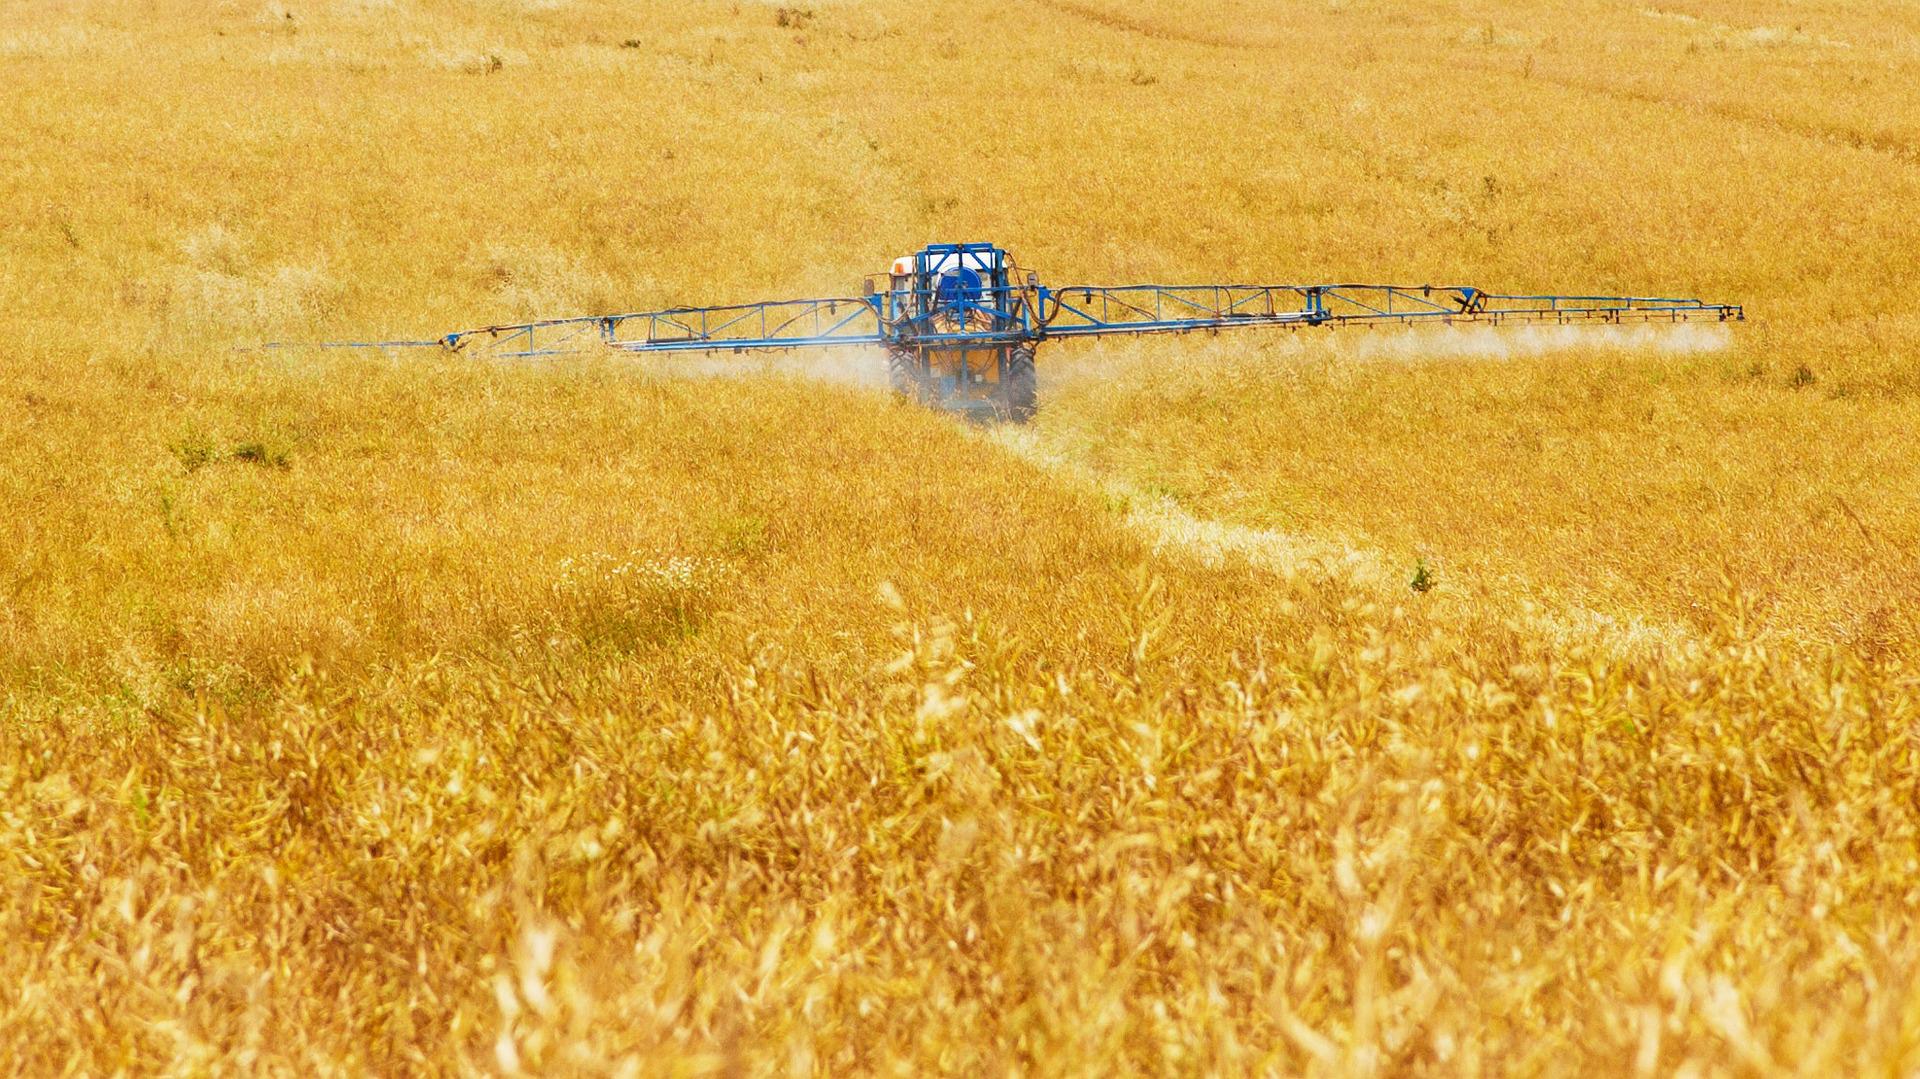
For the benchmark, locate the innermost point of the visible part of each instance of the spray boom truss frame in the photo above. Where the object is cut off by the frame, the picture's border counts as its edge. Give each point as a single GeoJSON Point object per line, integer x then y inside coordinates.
{"type": "Point", "coordinates": [922, 310]}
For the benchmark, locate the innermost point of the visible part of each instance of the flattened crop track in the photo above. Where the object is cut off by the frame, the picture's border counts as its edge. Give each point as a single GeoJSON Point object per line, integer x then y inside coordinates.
{"type": "Point", "coordinates": [1170, 527]}
{"type": "Point", "coordinates": [1115, 21]}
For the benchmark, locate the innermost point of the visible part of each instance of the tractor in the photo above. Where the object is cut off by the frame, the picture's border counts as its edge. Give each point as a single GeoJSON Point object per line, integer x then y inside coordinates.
{"type": "Point", "coordinates": [960, 323]}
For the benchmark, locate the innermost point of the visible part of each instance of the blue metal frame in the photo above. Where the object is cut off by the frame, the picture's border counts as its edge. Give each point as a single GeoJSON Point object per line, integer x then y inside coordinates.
{"type": "Point", "coordinates": [1091, 310]}
{"type": "Point", "coordinates": [969, 296]}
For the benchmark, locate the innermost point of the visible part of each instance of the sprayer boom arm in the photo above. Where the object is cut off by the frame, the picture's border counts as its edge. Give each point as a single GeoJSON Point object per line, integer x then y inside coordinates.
{"type": "Point", "coordinates": [970, 296]}
{"type": "Point", "coordinates": [1091, 310]}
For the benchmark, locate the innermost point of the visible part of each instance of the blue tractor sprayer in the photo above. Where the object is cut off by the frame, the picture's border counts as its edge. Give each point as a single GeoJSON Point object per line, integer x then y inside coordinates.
{"type": "Point", "coordinates": [960, 323]}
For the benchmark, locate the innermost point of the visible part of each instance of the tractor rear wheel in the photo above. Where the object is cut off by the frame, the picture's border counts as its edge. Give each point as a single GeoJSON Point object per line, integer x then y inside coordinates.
{"type": "Point", "coordinates": [903, 373]}
{"type": "Point", "coordinates": [1022, 387]}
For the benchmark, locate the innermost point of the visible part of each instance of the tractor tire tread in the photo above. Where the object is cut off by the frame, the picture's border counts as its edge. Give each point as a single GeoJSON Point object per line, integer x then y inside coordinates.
{"type": "Point", "coordinates": [1022, 389]}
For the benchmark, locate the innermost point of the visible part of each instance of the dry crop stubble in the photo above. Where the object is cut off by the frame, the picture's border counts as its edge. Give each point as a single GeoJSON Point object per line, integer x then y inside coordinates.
{"type": "Point", "coordinates": [414, 714]}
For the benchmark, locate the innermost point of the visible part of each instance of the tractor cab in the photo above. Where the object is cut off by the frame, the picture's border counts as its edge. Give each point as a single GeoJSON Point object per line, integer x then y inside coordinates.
{"type": "Point", "coordinates": [954, 288]}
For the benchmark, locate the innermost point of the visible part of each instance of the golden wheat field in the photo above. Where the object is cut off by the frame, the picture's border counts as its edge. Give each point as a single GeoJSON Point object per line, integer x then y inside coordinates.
{"type": "Point", "coordinates": [368, 713]}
